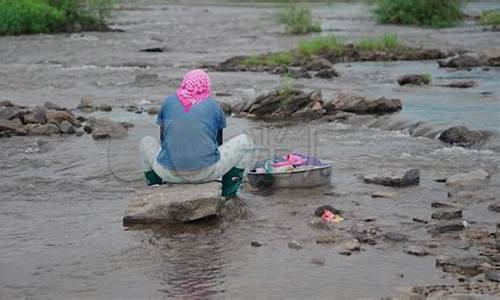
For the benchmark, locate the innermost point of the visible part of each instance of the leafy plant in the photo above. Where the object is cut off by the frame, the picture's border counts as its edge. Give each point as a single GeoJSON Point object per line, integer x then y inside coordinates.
{"type": "Point", "coordinates": [298, 20]}
{"type": "Point", "coordinates": [28, 16]}
{"type": "Point", "coordinates": [385, 42]}
{"type": "Point", "coordinates": [490, 18]}
{"type": "Point", "coordinates": [435, 13]}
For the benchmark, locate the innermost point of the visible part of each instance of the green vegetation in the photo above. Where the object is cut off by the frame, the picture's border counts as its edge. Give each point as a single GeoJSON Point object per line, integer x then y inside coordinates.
{"type": "Point", "coordinates": [434, 13]}
{"type": "Point", "coordinates": [427, 78]}
{"type": "Point", "coordinates": [490, 18]}
{"type": "Point", "coordinates": [320, 45]}
{"type": "Point", "coordinates": [385, 42]}
{"type": "Point", "coordinates": [272, 59]}
{"type": "Point", "coordinates": [40, 16]}
{"type": "Point", "coordinates": [298, 20]}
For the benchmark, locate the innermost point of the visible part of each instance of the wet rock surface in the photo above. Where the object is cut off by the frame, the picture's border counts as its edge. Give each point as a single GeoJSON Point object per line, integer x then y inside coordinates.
{"type": "Point", "coordinates": [397, 178]}
{"type": "Point", "coordinates": [462, 136]}
{"type": "Point", "coordinates": [466, 265]}
{"type": "Point", "coordinates": [361, 105]}
{"type": "Point", "coordinates": [468, 178]}
{"type": "Point", "coordinates": [414, 79]}
{"type": "Point", "coordinates": [395, 237]}
{"type": "Point", "coordinates": [173, 203]}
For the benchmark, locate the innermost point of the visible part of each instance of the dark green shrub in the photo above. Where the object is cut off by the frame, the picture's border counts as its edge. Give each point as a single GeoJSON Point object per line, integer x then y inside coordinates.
{"type": "Point", "coordinates": [298, 20]}
{"type": "Point", "coordinates": [435, 13]}
{"type": "Point", "coordinates": [28, 16]}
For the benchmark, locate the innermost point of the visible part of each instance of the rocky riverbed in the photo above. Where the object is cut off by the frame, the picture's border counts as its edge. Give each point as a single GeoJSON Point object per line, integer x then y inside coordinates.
{"type": "Point", "coordinates": [62, 196]}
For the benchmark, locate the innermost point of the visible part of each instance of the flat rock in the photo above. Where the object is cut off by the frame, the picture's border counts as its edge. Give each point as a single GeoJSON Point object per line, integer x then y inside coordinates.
{"type": "Point", "coordinates": [494, 207]}
{"type": "Point", "coordinates": [105, 129]}
{"type": "Point", "coordinates": [361, 105]}
{"type": "Point", "coordinates": [45, 129]}
{"type": "Point", "coordinates": [173, 203]}
{"type": "Point", "coordinates": [492, 275]}
{"type": "Point", "coordinates": [461, 136]}
{"type": "Point", "coordinates": [36, 116]}
{"type": "Point", "coordinates": [466, 265]}
{"type": "Point", "coordinates": [447, 227]}
{"type": "Point", "coordinates": [416, 250]}
{"type": "Point", "coordinates": [53, 106]}
{"type": "Point", "coordinates": [395, 237]}
{"type": "Point", "coordinates": [349, 246]}
{"type": "Point", "coordinates": [8, 113]}
{"type": "Point", "coordinates": [10, 125]}
{"type": "Point", "coordinates": [395, 178]}
{"type": "Point", "coordinates": [467, 178]}
{"type": "Point", "coordinates": [462, 84]}
{"type": "Point", "coordinates": [414, 79]}
{"type": "Point", "coordinates": [447, 215]}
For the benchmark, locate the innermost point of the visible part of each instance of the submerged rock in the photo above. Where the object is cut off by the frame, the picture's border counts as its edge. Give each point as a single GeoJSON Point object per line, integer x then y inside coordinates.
{"type": "Point", "coordinates": [447, 227]}
{"type": "Point", "coordinates": [349, 246]}
{"type": "Point", "coordinates": [466, 265]}
{"type": "Point", "coordinates": [105, 128]}
{"type": "Point", "coordinates": [395, 178]}
{"type": "Point", "coordinates": [255, 244]}
{"type": "Point", "coordinates": [460, 61]}
{"type": "Point", "coordinates": [461, 84]}
{"type": "Point", "coordinates": [416, 250]}
{"type": "Point", "coordinates": [492, 275]}
{"type": "Point", "coordinates": [295, 245]}
{"type": "Point", "coordinates": [467, 178]}
{"type": "Point", "coordinates": [173, 203]}
{"type": "Point", "coordinates": [415, 79]}
{"type": "Point", "coordinates": [361, 105]}
{"type": "Point", "coordinates": [45, 129]}
{"type": "Point", "coordinates": [494, 207]}
{"type": "Point", "coordinates": [461, 136]}
{"type": "Point", "coordinates": [395, 237]}
{"type": "Point", "coordinates": [447, 215]}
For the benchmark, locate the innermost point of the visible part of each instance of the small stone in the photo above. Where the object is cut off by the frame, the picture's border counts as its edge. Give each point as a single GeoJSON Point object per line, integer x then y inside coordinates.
{"type": "Point", "coordinates": [66, 128]}
{"type": "Point", "coordinates": [495, 207]}
{"type": "Point", "coordinates": [295, 245]}
{"type": "Point", "coordinates": [384, 195]}
{"type": "Point", "coordinates": [154, 50]}
{"type": "Point", "coordinates": [447, 215]}
{"type": "Point", "coordinates": [57, 117]}
{"type": "Point", "coordinates": [462, 84]}
{"type": "Point", "coordinates": [105, 107]}
{"type": "Point", "coordinates": [493, 276]}
{"type": "Point", "coordinates": [395, 237]}
{"type": "Point", "coordinates": [466, 265]}
{"type": "Point", "coordinates": [10, 126]}
{"type": "Point", "coordinates": [153, 110]}
{"type": "Point", "coordinates": [321, 210]}
{"type": "Point", "coordinates": [326, 240]}
{"type": "Point", "coordinates": [86, 105]}
{"type": "Point", "coordinates": [37, 116]}
{"type": "Point", "coordinates": [255, 244]}
{"type": "Point", "coordinates": [320, 261]}
{"type": "Point", "coordinates": [349, 246]}
{"type": "Point", "coordinates": [447, 227]}
{"type": "Point", "coordinates": [415, 79]}
{"type": "Point", "coordinates": [417, 251]}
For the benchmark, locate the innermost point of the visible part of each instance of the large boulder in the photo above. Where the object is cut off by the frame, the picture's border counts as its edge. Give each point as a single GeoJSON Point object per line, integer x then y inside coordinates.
{"type": "Point", "coordinates": [361, 105]}
{"type": "Point", "coordinates": [35, 116]}
{"type": "Point", "coordinates": [468, 178]}
{"type": "Point", "coordinates": [461, 136]}
{"type": "Point", "coordinates": [105, 129]}
{"type": "Point", "coordinates": [173, 203]}
{"type": "Point", "coordinates": [398, 178]}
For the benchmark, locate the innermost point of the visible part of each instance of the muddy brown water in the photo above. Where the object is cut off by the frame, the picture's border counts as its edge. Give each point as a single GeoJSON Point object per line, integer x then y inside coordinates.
{"type": "Point", "coordinates": [62, 198]}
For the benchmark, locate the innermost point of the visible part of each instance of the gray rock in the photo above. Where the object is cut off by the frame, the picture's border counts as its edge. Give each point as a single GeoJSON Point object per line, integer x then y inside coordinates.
{"type": "Point", "coordinates": [37, 116]}
{"type": "Point", "coordinates": [326, 240]}
{"type": "Point", "coordinates": [327, 73]}
{"type": "Point", "coordinates": [384, 195]}
{"type": "Point", "coordinates": [86, 105]}
{"type": "Point", "coordinates": [494, 207]}
{"type": "Point", "coordinates": [105, 129]}
{"type": "Point", "coordinates": [416, 250]}
{"type": "Point", "coordinates": [467, 178]}
{"type": "Point", "coordinates": [461, 84]}
{"type": "Point", "coordinates": [105, 107]}
{"type": "Point", "coordinates": [8, 113]}
{"type": "Point", "coordinates": [415, 79]}
{"type": "Point", "coordinates": [492, 276]}
{"type": "Point", "coordinates": [441, 205]}
{"type": "Point", "coordinates": [349, 246]}
{"type": "Point", "coordinates": [447, 215]}
{"type": "Point", "coordinates": [395, 237]}
{"type": "Point", "coordinates": [6, 103]}
{"type": "Point", "coordinates": [67, 128]}
{"type": "Point", "coordinates": [447, 227]}
{"type": "Point", "coordinates": [295, 245]}
{"type": "Point", "coordinates": [399, 178]}
{"type": "Point", "coordinates": [11, 126]}
{"type": "Point", "coordinates": [173, 203]}
{"type": "Point", "coordinates": [466, 265]}
{"type": "Point", "coordinates": [361, 105]}
{"type": "Point", "coordinates": [45, 129]}
{"type": "Point", "coordinates": [57, 117]}
{"type": "Point", "coordinates": [255, 244]}
{"type": "Point", "coordinates": [460, 61]}
{"type": "Point", "coordinates": [52, 106]}
{"type": "Point", "coordinates": [461, 136]}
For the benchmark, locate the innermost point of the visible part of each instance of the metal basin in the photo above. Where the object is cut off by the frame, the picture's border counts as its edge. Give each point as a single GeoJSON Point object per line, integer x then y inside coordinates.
{"type": "Point", "coordinates": [306, 177]}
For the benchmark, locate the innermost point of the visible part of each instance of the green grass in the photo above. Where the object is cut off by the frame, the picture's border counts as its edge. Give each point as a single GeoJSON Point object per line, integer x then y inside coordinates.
{"type": "Point", "coordinates": [320, 45]}
{"type": "Point", "coordinates": [42, 16]}
{"type": "Point", "coordinates": [272, 59]}
{"type": "Point", "coordinates": [490, 18]}
{"type": "Point", "coordinates": [298, 20]}
{"type": "Point", "coordinates": [434, 13]}
{"type": "Point", "coordinates": [385, 42]}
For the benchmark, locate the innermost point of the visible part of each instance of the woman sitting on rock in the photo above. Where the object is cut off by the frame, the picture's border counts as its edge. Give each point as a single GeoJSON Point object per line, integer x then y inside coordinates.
{"type": "Point", "coordinates": [190, 149]}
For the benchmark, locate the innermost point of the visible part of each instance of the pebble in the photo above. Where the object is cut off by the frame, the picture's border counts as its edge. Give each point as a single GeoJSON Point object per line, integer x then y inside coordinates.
{"type": "Point", "coordinates": [295, 245]}
{"type": "Point", "coordinates": [255, 244]}
{"type": "Point", "coordinates": [395, 237]}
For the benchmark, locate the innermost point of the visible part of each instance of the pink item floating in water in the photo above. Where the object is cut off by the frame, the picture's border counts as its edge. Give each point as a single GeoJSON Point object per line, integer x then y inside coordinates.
{"type": "Point", "coordinates": [328, 216]}
{"type": "Point", "coordinates": [195, 88]}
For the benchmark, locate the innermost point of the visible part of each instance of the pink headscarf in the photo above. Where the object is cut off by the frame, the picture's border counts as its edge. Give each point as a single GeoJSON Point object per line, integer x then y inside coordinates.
{"type": "Point", "coordinates": [195, 88]}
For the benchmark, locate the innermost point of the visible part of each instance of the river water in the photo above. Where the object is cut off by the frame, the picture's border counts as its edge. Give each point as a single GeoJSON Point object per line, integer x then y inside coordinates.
{"type": "Point", "coordinates": [62, 198]}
